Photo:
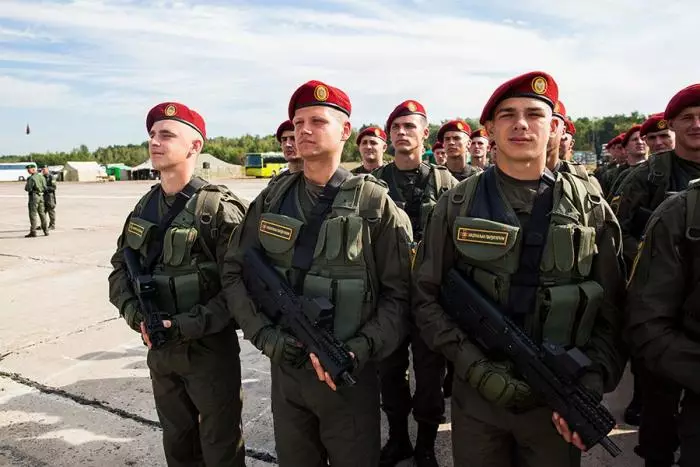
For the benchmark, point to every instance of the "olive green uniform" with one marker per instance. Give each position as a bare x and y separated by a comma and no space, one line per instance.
361,264
35,186
663,324
610,176
579,170
196,376
50,199
359,170
580,292
466,173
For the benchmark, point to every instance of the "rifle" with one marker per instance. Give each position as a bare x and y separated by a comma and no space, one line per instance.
145,290
276,299
551,371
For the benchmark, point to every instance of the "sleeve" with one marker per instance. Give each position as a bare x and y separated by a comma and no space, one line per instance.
120,291
657,290
435,257
214,316
29,185
633,197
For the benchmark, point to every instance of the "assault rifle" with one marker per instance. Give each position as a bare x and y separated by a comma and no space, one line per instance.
551,371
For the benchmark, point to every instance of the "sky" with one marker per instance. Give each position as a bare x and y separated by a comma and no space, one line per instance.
87,71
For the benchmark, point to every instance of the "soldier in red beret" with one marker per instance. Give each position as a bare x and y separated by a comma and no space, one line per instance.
285,136
332,236
637,152
566,148
657,134
439,153
497,231
619,163
479,148
196,390
455,136
415,187
372,144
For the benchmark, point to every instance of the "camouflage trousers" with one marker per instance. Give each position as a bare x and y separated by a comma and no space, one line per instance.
36,211
50,208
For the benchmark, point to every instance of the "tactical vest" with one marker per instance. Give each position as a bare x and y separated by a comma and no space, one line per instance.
343,268
436,181
567,302
691,306
186,273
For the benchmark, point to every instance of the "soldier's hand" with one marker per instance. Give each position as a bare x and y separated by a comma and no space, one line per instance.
497,384
144,335
280,347
132,315
563,429
322,374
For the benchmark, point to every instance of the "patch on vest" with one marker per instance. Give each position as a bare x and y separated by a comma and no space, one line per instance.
135,229
485,237
276,230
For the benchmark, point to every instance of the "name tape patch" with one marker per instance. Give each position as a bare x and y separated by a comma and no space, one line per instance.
135,229
276,230
485,237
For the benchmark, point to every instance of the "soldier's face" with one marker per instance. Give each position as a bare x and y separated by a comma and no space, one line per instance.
479,147
440,156
521,128
636,147
660,141
171,142
320,132
566,144
408,133
456,143
372,149
289,147
687,128
556,139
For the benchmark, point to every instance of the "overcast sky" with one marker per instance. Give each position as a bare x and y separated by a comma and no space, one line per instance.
87,71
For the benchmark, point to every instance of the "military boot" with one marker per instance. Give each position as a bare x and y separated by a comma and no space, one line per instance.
31,234
398,447
424,454
46,232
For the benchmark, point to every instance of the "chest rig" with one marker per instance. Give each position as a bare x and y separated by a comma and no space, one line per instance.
342,266
537,273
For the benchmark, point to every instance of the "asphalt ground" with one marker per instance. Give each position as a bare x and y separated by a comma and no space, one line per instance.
74,386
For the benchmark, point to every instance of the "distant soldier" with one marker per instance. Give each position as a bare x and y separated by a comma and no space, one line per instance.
50,196
637,152
439,153
566,148
479,148
35,186
455,137
618,164
658,136
372,144
285,136
178,234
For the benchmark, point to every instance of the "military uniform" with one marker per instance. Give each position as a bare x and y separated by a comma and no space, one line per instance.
50,199
360,170
663,327
196,375
480,228
35,186
361,264
466,173
580,171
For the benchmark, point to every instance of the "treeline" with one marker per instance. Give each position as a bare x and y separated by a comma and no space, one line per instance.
591,134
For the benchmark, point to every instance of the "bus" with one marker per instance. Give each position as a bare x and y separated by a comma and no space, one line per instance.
14,171
266,164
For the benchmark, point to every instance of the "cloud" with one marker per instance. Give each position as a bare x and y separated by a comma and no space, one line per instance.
100,65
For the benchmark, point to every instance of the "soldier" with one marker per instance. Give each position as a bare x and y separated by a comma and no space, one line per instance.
455,137
179,232
372,144
362,266
415,187
658,136
439,153
479,148
618,165
663,326
637,151
566,148
35,186
285,136
495,420
50,197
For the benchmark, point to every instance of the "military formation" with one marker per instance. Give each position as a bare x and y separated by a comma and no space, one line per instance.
599,270
41,190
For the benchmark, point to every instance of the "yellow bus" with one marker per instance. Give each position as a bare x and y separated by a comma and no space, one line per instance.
265,165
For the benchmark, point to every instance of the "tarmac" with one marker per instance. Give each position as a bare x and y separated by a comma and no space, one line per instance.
74,385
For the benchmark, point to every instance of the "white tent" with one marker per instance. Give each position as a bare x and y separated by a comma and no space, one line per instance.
83,172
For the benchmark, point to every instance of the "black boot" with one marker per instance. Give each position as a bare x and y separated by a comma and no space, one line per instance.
31,234
424,454
398,447
46,232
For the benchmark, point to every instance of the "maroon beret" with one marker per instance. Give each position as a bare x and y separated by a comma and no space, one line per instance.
317,93
454,125
480,133
626,137
178,112
655,122
687,97
371,131
438,145
560,110
409,107
287,125
535,84
570,127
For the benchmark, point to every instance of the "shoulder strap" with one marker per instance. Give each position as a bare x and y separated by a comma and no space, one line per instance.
660,168
461,198
692,211
442,179
371,199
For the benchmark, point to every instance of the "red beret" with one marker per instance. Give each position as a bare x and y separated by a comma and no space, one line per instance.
405,108
535,84
454,125
438,145
287,125
628,135
371,131
688,97
570,127
479,133
655,122
176,111
318,93
560,110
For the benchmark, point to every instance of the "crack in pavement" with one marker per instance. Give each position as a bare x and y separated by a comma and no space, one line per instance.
17,378
57,261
